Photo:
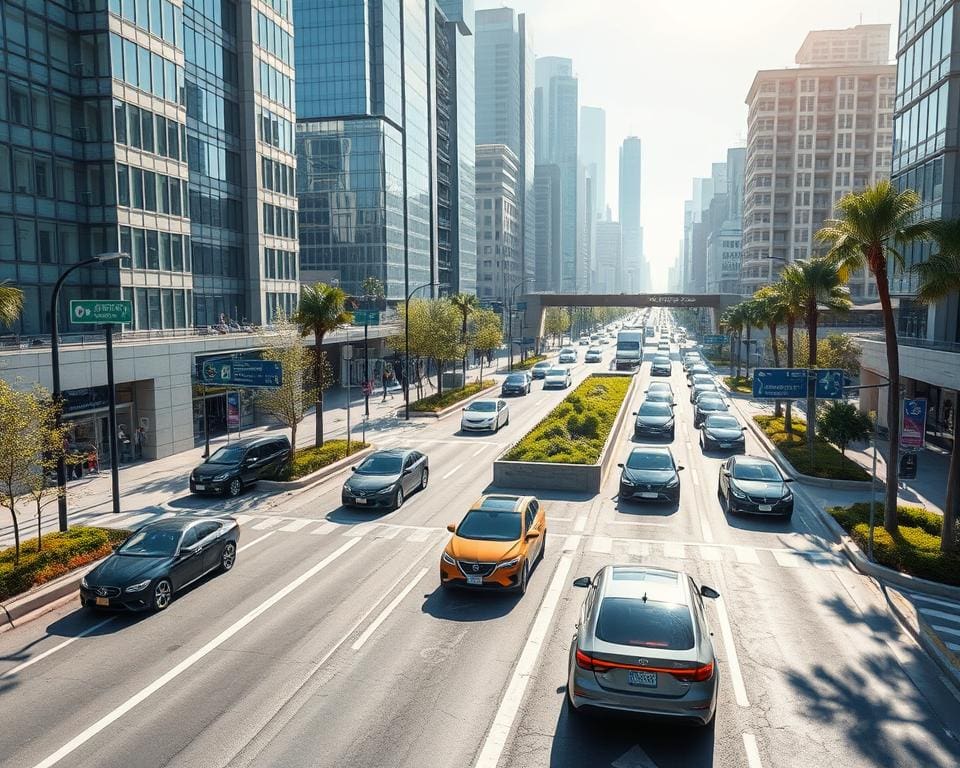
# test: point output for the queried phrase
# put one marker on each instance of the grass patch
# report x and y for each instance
(60, 553)
(435, 403)
(827, 462)
(915, 549)
(718, 360)
(574, 432)
(527, 364)
(739, 384)
(307, 460)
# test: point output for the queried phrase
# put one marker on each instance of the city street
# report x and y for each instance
(331, 642)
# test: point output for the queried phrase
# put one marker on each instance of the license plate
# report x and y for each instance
(475, 580)
(103, 601)
(359, 501)
(766, 508)
(642, 679)
(200, 487)
(724, 445)
(648, 495)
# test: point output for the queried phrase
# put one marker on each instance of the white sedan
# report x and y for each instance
(485, 415)
(557, 377)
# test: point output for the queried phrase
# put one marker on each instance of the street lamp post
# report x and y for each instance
(55, 364)
(873, 475)
(406, 349)
(513, 297)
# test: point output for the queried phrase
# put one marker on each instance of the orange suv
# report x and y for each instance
(496, 544)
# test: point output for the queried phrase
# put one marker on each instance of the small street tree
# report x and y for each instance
(841, 423)
(556, 322)
(466, 304)
(487, 335)
(41, 492)
(11, 303)
(289, 402)
(434, 333)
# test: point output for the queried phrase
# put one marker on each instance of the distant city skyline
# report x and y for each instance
(630, 59)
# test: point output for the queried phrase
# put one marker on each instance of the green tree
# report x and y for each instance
(841, 423)
(556, 322)
(869, 231)
(790, 289)
(434, 333)
(322, 309)
(487, 335)
(734, 320)
(289, 402)
(773, 312)
(466, 304)
(372, 287)
(11, 303)
(939, 278)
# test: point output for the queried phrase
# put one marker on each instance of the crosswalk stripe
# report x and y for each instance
(421, 534)
(938, 614)
(746, 555)
(124, 521)
(266, 523)
(638, 549)
(933, 600)
(100, 519)
(360, 530)
(946, 630)
(601, 544)
(326, 528)
(387, 532)
(711, 553)
(296, 525)
(823, 560)
(672, 549)
(571, 543)
(243, 519)
(787, 559)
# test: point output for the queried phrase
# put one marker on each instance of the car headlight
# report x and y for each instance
(673, 482)
(447, 559)
(138, 587)
(221, 477)
(347, 488)
(84, 583)
(737, 492)
(626, 481)
(788, 496)
(508, 563)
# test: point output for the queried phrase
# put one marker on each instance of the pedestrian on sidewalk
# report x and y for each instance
(93, 461)
(387, 376)
(140, 438)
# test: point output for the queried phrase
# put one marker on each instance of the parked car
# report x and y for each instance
(385, 478)
(661, 366)
(705, 405)
(235, 466)
(557, 377)
(540, 369)
(654, 420)
(568, 355)
(754, 484)
(160, 559)
(496, 544)
(721, 431)
(594, 355)
(485, 415)
(650, 474)
(642, 646)
(516, 384)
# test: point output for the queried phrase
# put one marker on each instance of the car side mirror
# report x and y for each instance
(250, 460)
(680, 468)
(583, 581)
(743, 429)
(187, 551)
(634, 413)
(726, 473)
(532, 535)
(710, 592)
(788, 480)
(353, 469)
(452, 527)
(620, 465)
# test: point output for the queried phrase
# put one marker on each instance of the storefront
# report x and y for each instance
(941, 411)
(86, 414)
(227, 411)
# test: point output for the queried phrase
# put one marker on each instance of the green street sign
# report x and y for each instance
(366, 317)
(95, 311)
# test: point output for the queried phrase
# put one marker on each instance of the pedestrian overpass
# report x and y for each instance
(532, 306)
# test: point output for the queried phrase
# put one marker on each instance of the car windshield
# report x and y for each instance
(659, 386)
(645, 624)
(490, 525)
(711, 404)
(756, 471)
(542, 365)
(567, 351)
(655, 409)
(722, 422)
(649, 460)
(227, 455)
(628, 346)
(381, 464)
(482, 406)
(152, 542)
(557, 372)
(516, 378)
(661, 360)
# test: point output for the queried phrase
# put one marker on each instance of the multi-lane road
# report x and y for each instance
(332, 644)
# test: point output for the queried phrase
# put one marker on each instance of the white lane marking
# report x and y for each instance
(638, 549)
(601, 544)
(746, 555)
(733, 661)
(571, 543)
(368, 632)
(753, 753)
(133, 519)
(711, 553)
(953, 647)
(933, 600)
(581, 523)
(421, 534)
(326, 528)
(945, 630)
(480, 450)
(696, 478)
(295, 525)
(452, 472)
(269, 522)
(787, 558)
(360, 530)
(673, 549)
(513, 697)
(107, 720)
(255, 541)
(637, 522)
(388, 532)
(705, 526)
(938, 614)
(243, 519)
(50, 651)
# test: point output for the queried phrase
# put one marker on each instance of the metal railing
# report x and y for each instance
(911, 341)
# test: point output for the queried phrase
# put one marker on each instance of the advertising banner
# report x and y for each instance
(914, 423)
(233, 409)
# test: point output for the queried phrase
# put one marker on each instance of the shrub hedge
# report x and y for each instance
(827, 461)
(574, 432)
(60, 554)
(529, 362)
(307, 460)
(435, 403)
(915, 549)
(739, 384)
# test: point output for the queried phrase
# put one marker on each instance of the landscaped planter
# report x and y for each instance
(450, 409)
(321, 474)
(563, 476)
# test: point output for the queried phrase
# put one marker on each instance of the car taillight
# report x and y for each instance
(695, 675)
(684, 675)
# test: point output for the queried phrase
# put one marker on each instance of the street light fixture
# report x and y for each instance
(406, 349)
(513, 296)
(101, 258)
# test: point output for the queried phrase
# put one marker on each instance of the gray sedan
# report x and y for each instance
(642, 646)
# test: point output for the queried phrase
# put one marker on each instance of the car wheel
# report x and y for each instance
(229, 556)
(507, 422)
(424, 478)
(726, 504)
(673, 433)
(524, 576)
(543, 547)
(162, 594)
(398, 499)
(571, 708)
(235, 487)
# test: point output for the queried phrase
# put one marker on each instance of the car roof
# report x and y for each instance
(248, 441)
(399, 452)
(652, 449)
(497, 500)
(543, 364)
(181, 522)
(755, 460)
(634, 581)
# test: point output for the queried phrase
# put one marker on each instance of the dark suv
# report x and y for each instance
(242, 463)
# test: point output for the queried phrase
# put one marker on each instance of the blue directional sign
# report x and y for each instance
(366, 317)
(714, 339)
(780, 383)
(829, 383)
(237, 372)
(521, 306)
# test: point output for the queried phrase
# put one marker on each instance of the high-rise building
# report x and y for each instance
(724, 225)
(557, 111)
(505, 106)
(634, 269)
(593, 155)
(548, 200)
(695, 235)
(609, 268)
(814, 133)
(385, 143)
(499, 234)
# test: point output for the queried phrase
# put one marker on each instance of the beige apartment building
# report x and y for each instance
(815, 132)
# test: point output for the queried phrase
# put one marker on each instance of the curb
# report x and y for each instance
(918, 628)
(42, 596)
(443, 413)
(320, 475)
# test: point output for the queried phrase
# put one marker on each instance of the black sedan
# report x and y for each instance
(516, 384)
(705, 405)
(721, 431)
(159, 560)
(661, 366)
(754, 484)
(654, 420)
(385, 478)
(650, 474)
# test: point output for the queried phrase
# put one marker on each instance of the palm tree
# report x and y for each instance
(465, 303)
(820, 285)
(320, 311)
(11, 303)
(773, 311)
(734, 320)
(939, 277)
(752, 318)
(870, 228)
(790, 289)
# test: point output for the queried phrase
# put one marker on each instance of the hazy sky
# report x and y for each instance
(676, 74)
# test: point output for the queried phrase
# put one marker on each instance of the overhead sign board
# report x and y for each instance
(366, 317)
(97, 311)
(914, 423)
(780, 383)
(829, 383)
(253, 374)
(672, 300)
